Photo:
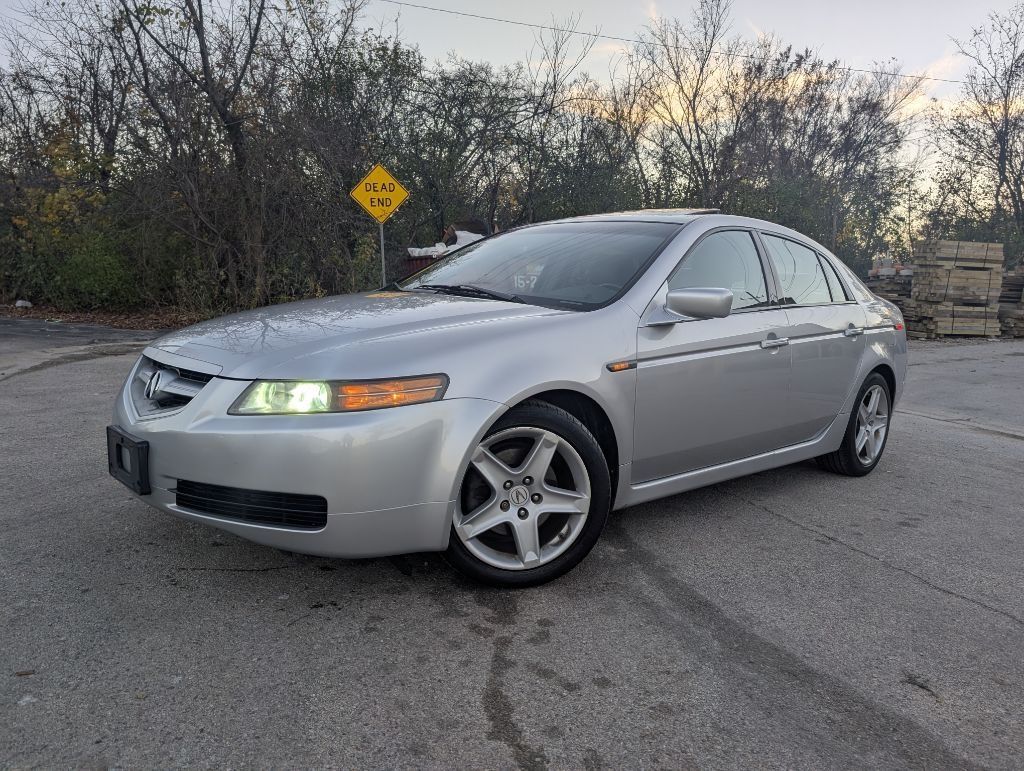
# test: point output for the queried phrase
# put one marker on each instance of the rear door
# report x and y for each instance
(711, 390)
(825, 331)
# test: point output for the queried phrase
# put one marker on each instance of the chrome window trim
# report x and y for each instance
(820, 305)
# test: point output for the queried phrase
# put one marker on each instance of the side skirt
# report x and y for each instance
(827, 441)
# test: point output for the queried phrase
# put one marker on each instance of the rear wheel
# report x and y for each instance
(534, 500)
(866, 433)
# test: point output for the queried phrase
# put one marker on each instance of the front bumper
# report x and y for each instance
(390, 477)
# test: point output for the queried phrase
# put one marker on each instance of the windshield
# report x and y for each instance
(575, 265)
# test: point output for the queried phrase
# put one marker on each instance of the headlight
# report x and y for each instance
(292, 397)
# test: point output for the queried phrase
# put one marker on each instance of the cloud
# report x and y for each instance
(758, 32)
(610, 47)
(936, 94)
(951, 65)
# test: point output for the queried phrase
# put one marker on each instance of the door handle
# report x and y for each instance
(775, 342)
(853, 331)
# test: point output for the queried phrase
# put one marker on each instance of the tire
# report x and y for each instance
(850, 460)
(547, 512)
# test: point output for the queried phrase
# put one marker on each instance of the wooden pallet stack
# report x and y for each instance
(1011, 303)
(955, 290)
(895, 289)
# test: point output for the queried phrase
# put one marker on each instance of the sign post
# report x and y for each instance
(383, 262)
(380, 195)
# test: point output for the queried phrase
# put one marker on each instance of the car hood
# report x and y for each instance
(317, 337)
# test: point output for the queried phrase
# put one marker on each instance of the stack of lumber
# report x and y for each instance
(965, 285)
(955, 289)
(1011, 303)
(930, 320)
(1013, 286)
(1011, 319)
(895, 289)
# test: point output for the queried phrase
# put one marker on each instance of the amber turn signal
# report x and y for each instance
(620, 366)
(375, 394)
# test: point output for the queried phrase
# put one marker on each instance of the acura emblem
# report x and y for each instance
(153, 385)
(519, 495)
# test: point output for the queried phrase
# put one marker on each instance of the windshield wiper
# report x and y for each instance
(471, 290)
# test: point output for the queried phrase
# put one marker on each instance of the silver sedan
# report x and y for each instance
(500, 403)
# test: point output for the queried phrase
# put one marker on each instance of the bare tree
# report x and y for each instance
(177, 46)
(981, 137)
(201, 152)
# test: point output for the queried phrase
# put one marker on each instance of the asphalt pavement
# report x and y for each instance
(27, 344)
(790, 619)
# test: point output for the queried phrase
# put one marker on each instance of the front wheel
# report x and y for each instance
(866, 433)
(534, 500)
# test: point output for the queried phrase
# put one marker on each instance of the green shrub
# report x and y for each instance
(93, 274)
(365, 267)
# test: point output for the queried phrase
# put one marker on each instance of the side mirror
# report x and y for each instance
(700, 302)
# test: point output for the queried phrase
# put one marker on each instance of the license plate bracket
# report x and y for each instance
(128, 460)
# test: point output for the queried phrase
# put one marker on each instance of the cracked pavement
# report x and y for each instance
(789, 619)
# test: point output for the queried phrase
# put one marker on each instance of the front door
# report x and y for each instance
(712, 390)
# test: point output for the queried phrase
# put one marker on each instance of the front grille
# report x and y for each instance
(177, 388)
(305, 512)
(190, 374)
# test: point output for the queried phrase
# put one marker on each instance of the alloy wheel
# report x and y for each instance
(872, 424)
(525, 499)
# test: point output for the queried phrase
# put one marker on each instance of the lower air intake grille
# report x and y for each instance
(306, 512)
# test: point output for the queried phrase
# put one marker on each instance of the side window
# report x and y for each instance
(726, 259)
(801, 278)
(835, 286)
(854, 284)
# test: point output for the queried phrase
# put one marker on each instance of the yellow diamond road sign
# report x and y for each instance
(379, 193)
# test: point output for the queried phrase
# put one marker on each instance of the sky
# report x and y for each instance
(916, 33)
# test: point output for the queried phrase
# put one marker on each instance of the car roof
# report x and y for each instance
(711, 217)
(679, 216)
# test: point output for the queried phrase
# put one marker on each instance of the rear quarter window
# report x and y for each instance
(835, 286)
(856, 286)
